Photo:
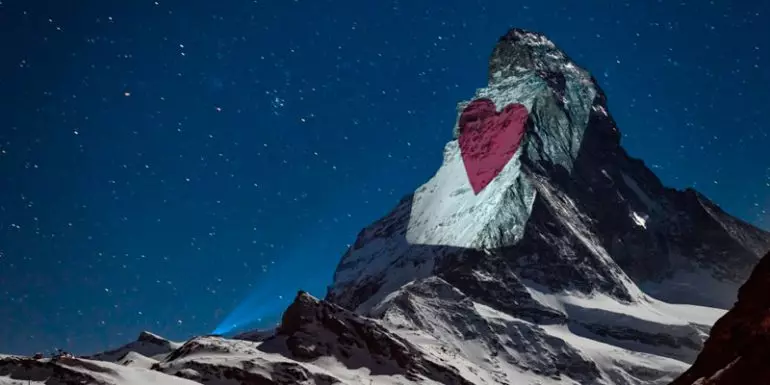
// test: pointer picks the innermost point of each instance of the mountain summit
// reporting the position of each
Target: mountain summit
(539, 253)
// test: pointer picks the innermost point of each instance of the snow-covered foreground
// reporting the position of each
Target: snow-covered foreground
(26, 371)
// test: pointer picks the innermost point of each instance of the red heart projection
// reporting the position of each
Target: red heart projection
(488, 139)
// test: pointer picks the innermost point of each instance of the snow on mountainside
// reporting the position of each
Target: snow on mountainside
(539, 253)
(316, 343)
(148, 345)
(72, 371)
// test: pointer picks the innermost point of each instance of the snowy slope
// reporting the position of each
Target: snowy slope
(137, 360)
(316, 343)
(24, 370)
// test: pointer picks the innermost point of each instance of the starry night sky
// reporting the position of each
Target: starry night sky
(162, 162)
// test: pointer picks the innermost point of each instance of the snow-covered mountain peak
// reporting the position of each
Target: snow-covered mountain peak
(550, 222)
(580, 213)
(147, 344)
(454, 208)
(148, 337)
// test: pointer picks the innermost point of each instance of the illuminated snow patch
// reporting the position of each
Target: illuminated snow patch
(639, 220)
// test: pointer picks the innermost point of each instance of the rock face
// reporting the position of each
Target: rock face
(572, 242)
(738, 350)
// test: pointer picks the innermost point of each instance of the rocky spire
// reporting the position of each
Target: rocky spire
(519, 51)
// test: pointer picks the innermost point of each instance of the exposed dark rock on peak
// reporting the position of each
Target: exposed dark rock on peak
(520, 50)
(148, 337)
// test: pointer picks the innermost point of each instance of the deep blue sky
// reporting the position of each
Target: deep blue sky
(162, 161)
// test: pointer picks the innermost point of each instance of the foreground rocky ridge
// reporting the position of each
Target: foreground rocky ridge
(316, 343)
(572, 264)
(738, 350)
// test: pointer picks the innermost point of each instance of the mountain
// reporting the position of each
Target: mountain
(147, 345)
(738, 349)
(541, 249)
(16, 370)
(539, 253)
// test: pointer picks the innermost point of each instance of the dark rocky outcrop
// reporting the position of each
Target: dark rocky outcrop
(738, 350)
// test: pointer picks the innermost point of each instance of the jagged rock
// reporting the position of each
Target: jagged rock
(738, 350)
(137, 360)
